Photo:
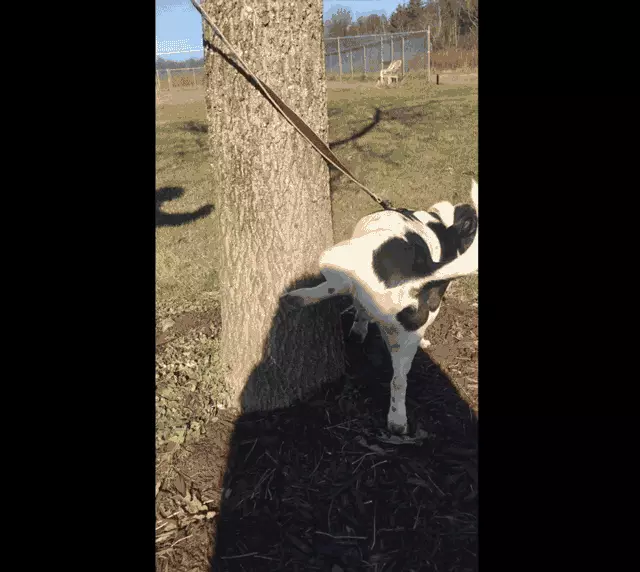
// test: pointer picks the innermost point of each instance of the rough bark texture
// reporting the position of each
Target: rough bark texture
(272, 200)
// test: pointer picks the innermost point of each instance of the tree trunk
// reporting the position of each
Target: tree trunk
(272, 202)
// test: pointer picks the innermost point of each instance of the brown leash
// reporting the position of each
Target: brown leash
(291, 116)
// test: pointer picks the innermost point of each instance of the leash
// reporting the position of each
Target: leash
(291, 116)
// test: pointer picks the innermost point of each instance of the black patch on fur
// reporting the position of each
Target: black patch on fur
(412, 318)
(436, 216)
(332, 290)
(429, 298)
(402, 259)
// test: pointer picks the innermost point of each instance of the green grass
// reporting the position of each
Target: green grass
(185, 255)
(415, 155)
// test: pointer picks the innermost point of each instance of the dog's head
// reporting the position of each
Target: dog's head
(461, 222)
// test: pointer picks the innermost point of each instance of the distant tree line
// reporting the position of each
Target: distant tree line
(454, 23)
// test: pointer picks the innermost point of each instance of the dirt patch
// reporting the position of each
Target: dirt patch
(190, 322)
(189, 498)
(322, 486)
(189, 391)
(454, 337)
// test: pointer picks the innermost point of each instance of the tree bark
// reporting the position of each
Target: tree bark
(272, 202)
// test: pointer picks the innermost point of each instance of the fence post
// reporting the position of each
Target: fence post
(426, 49)
(169, 76)
(351, 62)
(339, 59)
(194, 77)
(381, 60)
(402, 57)
(158, 80)
(391, 43)
(364, 62)
(429, 53)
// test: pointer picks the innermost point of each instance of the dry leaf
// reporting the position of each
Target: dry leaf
(180, 484)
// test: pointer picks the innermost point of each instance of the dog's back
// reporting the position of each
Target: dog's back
(392, 252)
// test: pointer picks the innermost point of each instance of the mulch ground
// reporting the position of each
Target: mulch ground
(323, 486)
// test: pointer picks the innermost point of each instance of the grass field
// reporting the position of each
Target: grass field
(416, 152)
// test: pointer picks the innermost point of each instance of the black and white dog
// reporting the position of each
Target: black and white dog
(397, 267)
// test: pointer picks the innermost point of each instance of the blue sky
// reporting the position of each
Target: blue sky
(178, 24)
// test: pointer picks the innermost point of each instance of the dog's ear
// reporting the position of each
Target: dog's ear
(465, 220)
(465, 226)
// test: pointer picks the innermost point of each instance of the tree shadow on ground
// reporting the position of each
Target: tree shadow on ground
(166, 194)
(406, 116)
(321, 485)
(377, 116)
(195, 126)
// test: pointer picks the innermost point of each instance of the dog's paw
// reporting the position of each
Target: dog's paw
(397, 424)
(397, 428)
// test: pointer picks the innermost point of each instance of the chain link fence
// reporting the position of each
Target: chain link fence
(179, 78)
(359, 57)
(362, 57)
